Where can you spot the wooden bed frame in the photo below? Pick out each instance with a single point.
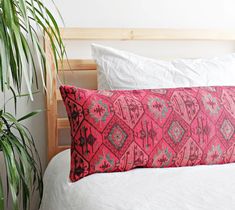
(54, 122)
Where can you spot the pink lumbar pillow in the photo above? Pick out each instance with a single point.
(121, 130)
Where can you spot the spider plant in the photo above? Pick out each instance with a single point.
(23, 64)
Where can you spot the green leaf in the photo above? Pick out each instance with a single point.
(1, 195)
(14, 97)
(20, 48)
(12, 172)
(21, 53)
(29, 115)
(22, 162)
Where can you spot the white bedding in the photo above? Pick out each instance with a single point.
(119, 69)
(188, 188)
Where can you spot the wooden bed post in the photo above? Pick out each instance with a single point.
(51, 103)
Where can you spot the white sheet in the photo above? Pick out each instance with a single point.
(189, 188)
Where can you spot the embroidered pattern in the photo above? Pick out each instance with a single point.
(121, 130)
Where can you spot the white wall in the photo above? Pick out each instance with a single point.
(134, 13)
(148, 13)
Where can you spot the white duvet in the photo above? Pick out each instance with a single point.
(188, 188)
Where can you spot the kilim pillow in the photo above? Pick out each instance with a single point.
(124, 129)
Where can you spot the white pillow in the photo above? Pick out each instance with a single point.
(123, 70)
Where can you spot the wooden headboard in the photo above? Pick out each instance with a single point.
(56, 123)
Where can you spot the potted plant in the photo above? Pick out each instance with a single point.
(21, 54)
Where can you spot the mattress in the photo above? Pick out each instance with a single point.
(186, 188)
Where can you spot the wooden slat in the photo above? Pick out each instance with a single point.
(145, 34)
(77, 64)
(95, 34)
(183, 34)
(62, 123)
(51, 103)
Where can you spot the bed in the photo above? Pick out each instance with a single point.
(199, 187)
(194, 188)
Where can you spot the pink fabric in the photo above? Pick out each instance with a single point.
(121, 130)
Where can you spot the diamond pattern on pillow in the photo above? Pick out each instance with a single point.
(119, 130)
